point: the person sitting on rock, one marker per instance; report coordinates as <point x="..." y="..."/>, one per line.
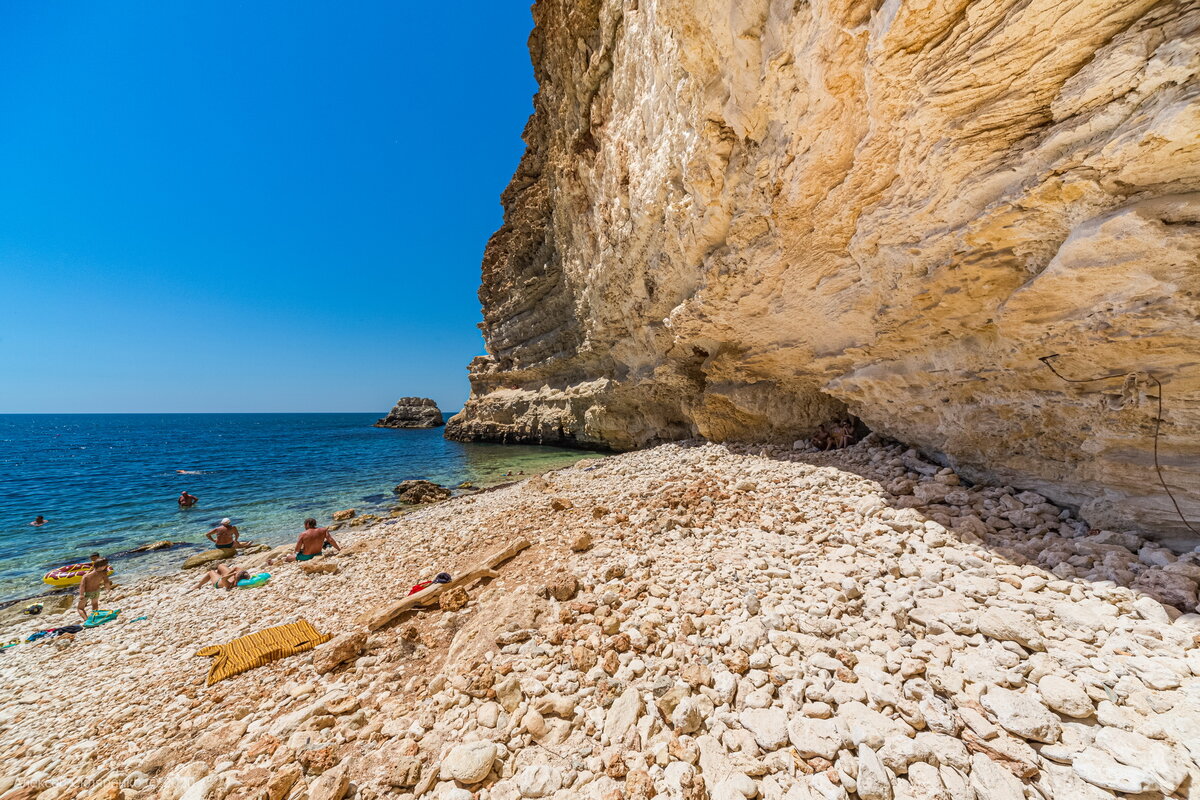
<point x="187" y="500"/>
<point x="821" y="439"/>
<point x="223" y="577"/>
<point x="843" y="434"/>
<point x="225" y="536"/>
<point x="312" y="542"/>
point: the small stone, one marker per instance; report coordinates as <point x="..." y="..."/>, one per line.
<point x="767" y="725"/>
<point x="403" y="773"/>
<point x="1066" y="697"/>
<point x="992" y="781"/>
<point x="1022" y="715"/>
<point x="1100" y="769"/>
<point x="563" y="587"/>
<point x="622" y="716"/>
<point x="339" y="650"/>
<point x="454" y="599"/>
<point x="1011" y="626"/>
<point x="874" y="780"/>
<point x="816" y="737"/>
<point x="538" y="780"/>
<point x="469" y="763"/>
<point x="1154" y="757"/>
<point x="582" y="542"/>
<point x="332" y="785"/>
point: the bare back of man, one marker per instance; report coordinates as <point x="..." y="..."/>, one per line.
<point x="312" y="541"/>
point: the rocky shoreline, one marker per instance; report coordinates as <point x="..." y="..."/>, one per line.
<point x="688" y="622"/>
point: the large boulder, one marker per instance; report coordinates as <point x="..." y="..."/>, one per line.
<point x="413" y="412"/>
<point x="469" y="763"/>
<point x="339" y="650"/>
<point x="418" y="491"/>
<point x="208" y="556"/>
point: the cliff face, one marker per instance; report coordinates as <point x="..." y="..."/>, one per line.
<point x="741" y="218"/>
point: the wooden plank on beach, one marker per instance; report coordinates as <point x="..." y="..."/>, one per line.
<point x="374" y="620"/>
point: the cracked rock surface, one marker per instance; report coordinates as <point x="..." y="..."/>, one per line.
<point x="738" y="219"/>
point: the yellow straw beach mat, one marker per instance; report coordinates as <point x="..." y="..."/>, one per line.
<point x="257" y="649"/>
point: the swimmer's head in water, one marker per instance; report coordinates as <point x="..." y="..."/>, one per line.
<point x="94" y="556"/>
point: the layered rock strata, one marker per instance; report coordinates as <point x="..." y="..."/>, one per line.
<point x="413" y="412"/>
<point x="742" y="623"/>
<point x="741" y="219"/>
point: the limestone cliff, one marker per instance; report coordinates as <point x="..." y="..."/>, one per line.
<point x="740" y="218"/>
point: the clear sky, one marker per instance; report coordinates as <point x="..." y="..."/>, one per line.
<point x="250" y="206"/>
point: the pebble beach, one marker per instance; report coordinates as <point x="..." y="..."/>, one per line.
<point x="689" y="621"/>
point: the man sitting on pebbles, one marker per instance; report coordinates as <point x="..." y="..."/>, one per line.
<point x="312" y="542"/>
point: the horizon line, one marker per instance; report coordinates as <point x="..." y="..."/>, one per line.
<point x="166" y="413"/>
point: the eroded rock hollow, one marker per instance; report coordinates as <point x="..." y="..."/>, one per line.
<point x="739" y="219"/>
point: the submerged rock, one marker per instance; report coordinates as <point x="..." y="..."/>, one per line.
<point x="412" y="412"/>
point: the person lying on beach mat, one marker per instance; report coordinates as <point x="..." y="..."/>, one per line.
<point x="223" y="577"/>
<point x="312" y="542"/>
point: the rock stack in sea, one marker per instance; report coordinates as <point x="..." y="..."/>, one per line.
<point x="412" y="412"/>
<point x="689" y="623"/>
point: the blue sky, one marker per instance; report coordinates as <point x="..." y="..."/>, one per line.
<point x="254" y="206"/>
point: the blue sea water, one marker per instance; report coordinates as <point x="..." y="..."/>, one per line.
<point x="109" y="482"/>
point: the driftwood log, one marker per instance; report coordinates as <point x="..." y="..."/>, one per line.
<point x="374" y="620"/>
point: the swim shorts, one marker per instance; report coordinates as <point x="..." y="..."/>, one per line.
<point x="92" y="595"/>
<point x="304" y="557"/>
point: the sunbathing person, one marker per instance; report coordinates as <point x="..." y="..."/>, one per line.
<point x="223" y="577"/>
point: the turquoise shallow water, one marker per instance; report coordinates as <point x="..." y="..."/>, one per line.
<point x="109" y="482"/>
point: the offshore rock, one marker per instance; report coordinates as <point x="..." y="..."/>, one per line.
<point x="412" y="412"/>
<point x="795" y="210"/>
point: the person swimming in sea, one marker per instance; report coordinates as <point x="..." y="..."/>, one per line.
<point x="187" y="500"/>
<point x="39" y="522"/>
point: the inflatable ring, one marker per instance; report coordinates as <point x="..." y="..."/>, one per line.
<point x="70" y="575"/>
<point x="253" y="583"/>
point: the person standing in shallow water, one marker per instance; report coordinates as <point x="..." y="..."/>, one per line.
<point x="187" y="500"/>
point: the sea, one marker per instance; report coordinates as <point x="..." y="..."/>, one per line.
<point x="108" y="483"/>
